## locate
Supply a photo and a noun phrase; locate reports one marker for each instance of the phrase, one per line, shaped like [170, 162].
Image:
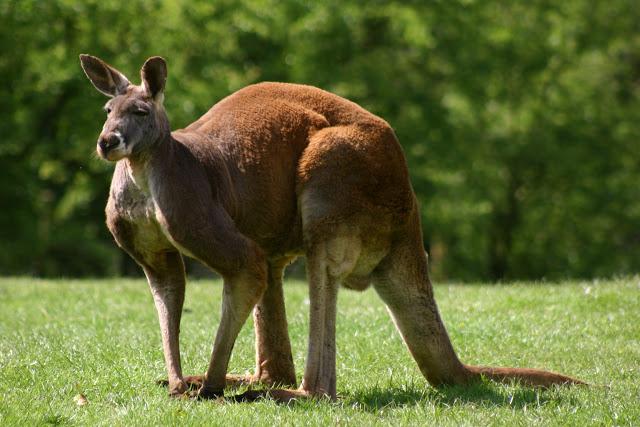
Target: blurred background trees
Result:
[520, 120]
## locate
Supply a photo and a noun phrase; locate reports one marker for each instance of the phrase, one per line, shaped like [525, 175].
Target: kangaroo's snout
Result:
[108, 142]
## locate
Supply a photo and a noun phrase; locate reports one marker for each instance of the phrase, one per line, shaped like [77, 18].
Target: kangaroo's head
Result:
[136, 119]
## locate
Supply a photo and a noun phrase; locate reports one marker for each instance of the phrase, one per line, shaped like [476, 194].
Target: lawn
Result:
[100, 338]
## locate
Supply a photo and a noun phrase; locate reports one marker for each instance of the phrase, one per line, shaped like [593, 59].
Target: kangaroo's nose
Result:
[108, 141]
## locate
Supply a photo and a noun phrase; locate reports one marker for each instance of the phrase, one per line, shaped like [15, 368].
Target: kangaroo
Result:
[273, 172]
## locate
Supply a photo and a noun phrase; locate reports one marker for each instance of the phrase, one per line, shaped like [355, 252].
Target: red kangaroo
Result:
[272, 172]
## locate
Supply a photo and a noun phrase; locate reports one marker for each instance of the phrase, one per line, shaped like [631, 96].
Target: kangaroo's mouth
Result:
[112, 147]
[112, 153]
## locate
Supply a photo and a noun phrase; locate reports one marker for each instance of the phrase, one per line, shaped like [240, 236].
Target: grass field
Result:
[100, 338]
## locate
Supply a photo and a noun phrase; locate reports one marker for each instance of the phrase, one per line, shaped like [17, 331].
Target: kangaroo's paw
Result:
[194, 382]
[191, 382]
[178, 390]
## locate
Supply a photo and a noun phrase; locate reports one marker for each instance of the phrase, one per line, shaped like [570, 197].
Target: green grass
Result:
[100, 338]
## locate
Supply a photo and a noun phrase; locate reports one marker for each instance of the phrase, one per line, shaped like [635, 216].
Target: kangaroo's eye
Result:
[108, 110]
[140, 112]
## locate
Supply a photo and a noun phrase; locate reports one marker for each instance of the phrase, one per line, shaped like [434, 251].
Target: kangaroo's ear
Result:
[154, 77]
[104, 77]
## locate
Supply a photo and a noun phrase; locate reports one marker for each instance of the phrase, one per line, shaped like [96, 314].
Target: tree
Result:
[519, 120]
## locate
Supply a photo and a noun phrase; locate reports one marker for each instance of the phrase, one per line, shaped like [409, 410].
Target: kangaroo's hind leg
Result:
[320, 369]
[274, 362]
[328, 262]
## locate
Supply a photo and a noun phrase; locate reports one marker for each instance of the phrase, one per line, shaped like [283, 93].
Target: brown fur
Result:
[272, 172]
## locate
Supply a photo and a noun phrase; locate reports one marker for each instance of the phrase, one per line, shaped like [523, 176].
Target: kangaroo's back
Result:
[267, 100]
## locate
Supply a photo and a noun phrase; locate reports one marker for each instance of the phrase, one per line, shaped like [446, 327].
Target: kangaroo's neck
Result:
[145, 165]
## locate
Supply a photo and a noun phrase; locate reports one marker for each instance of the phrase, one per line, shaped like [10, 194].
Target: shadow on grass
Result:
[486, 394]
[483, 394]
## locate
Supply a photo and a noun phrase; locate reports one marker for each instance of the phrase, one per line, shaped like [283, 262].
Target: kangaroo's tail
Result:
[403, 284]
[531, 377]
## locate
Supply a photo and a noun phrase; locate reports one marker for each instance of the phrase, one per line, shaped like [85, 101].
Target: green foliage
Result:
[101, 339]
[519, 119]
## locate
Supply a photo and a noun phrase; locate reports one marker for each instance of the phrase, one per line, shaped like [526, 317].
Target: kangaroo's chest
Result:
[132, 204]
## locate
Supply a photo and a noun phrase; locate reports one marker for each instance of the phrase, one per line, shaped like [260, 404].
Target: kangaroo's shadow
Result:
[484, 393]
